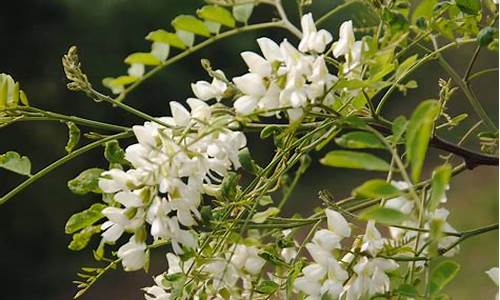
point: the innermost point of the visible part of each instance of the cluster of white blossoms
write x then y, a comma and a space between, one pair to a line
172, 167
328, 277
405, 206
287, 78
232, 273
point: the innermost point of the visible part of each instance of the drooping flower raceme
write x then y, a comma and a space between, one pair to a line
171, 169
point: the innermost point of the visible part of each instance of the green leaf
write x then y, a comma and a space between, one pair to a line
471, 7
229, 188
269, 130
359, 140
142, 58
443, 274
267, 287
262, 216
84, 218
247, 163
376, 188
216, 14
354, 160
242, 12
162, 36
398, 128
424, 9
440, 179
16, 163
114, 153
273, 258
407, 291
73, 136
87, 181
383, 215
82, 238
418, 134
190, 24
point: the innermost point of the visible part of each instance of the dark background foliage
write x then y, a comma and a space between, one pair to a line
35, 261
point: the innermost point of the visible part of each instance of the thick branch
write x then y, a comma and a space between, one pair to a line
472, 158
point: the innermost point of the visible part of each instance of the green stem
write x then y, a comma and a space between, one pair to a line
419, 63
61, 162
52, 116
337, 9
474, 102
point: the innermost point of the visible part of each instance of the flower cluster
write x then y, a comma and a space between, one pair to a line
285, 77
328, 277
172, 167
405, 206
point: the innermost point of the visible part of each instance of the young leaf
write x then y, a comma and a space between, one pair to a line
190, 24
407, 291
84, 218
16, 163
443, 274
424, 9
354, 160
74, 136
247, 163
440, 179
267, 287
87, 181
216, 14
82, 238
114, 153
398, 128
262, 216
376, 188
418, 134
142, 58
471, 7
162, 36
242, 12
359, 140
383, 215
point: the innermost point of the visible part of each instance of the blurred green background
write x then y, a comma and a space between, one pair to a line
36, 33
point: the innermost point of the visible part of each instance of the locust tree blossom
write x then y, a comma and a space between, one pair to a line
163, 189
326, 275
285, 77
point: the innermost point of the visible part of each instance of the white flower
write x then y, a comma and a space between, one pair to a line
136, 70
401, 203
493, 274
246, 105
348, 47
251, 84
313, 40
372, 240
160, 50
270, 49
247, 258
370, 279
133, 255
337, 223
116, 180
180, 114
257, 64
204, 90
346, 40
